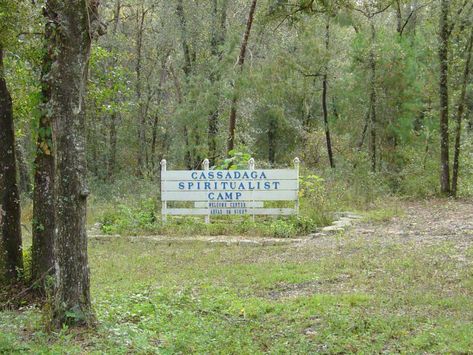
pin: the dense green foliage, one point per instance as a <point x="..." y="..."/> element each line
<point x="159" y="75"/>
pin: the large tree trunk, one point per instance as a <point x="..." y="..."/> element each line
<point x="10" y="213"/>
<point x="241" y="61"/>
<point x="459" y="117"/>
<point x="443" y="95"/>
<point x="76" y="23"/>
<point x="328" y="139"/>
<point x="43" y="196"/>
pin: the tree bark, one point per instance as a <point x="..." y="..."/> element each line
<point x="443" y="96"/>
<point x="10" y="212"/>
<point x="241" y="61"/>
<point x="43" y="197"/>
<point x="76" y="22"/>
<point x="459" y="116"/>
<point x="324" y="98"/>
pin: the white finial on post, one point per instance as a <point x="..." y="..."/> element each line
<point x="164" y="204"/>
<point x="297" y="163"/>
<point x="251" y="164"/>
<point x="206" y="165"/>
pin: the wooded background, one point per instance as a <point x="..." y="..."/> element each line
<point x="347" y="84"/>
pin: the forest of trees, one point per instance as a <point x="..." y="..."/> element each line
<point x="103" y="90"/>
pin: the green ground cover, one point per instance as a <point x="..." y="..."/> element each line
<point x="337" y="294"/>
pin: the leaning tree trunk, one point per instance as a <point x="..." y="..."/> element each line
<point x="43" y="197"/>
<point x="443" y="96"/>
<point x="459" y="117"/>
<point x="241" y="61"/>
<point x="76" y="23"/>
<point x="10" y="213"/>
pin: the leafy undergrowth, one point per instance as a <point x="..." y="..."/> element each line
<point x="340" y="294"/>
<point x="144" y="219"/>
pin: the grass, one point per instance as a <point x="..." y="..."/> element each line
<point x="336" y="295"/>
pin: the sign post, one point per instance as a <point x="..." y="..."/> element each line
<point x="251" y="166"/>
<point x="206" y="164"/>
<point x="296" y="167"/>
<point x="163" y="183"/>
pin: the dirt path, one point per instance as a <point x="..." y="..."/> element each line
<point x="426" y="222"/>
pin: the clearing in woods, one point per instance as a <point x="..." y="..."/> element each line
<point x="403" y="285"/>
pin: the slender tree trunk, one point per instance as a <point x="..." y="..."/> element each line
<point x="160" y="95"/>
<point x="25" y="182"/>
<point x="10" y="213"/>
<point x="112" y="156"/>
<point x="459" y="117"/>
<point x="185" y="45"/>
<point x="324" y="98"/>
<point x="398" y="17"/>
<point x="241" y="61"/>
<point x="187" y="154"/>
<point x="272" y="141"/>
<point x="217" y="39"/>
<point x="76" y="23"/>
<point x="43" y="196"/>
<point x="443" y="95"/>
<point x="373" y="98"/>
<point x="187" y="68"/>
<point x="138" y="88"/>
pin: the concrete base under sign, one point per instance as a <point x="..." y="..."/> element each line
<point x="222" y="240"/>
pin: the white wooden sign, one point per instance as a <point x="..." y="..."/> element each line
<point x="229" y="192"/>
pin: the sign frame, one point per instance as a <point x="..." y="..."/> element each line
<point x="207" y="189"/>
